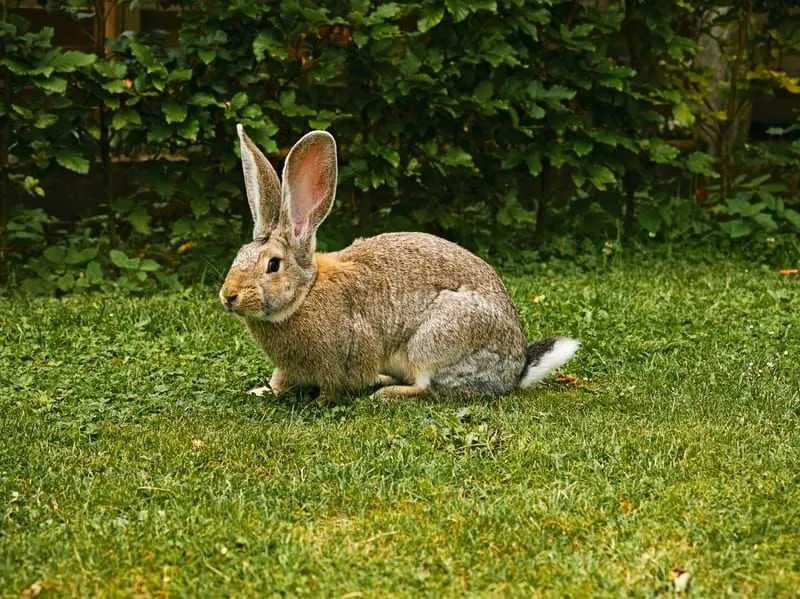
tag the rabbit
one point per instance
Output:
(410, 314)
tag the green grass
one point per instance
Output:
(132, 462)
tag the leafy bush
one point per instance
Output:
(500, 124)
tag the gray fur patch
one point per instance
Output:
(483, 371)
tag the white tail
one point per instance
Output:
(545, 356)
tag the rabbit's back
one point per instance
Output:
(417, 261)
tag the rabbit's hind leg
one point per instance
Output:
(469, 345)
(399, 392)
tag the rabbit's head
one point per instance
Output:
(271, 275)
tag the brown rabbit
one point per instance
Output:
(408, 312)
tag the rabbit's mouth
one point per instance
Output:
(241, 303)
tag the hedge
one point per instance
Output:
(499, 124)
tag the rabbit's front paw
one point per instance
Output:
(261, 391)
(279, 382)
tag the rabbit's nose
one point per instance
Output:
(230, 299)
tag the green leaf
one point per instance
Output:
(512, 213)
(203, 99)
(67, 62)
(287, 100)
(125, 117)
(239, 101)
(143, 54)
(111, 69)
(189, 129)
(457, 8)
(391, 156)
(319, 123)
(612, 82)
(121, 260)
(66, 282)
(149, 265)
(756, 181)
(661, 152)
(556, 93)
(384, 12)
(174, 111)
(742, 206)
(430, 18)
(157, 133)
(737, 228)
(45, 120)
(534, 162)
(792, 216)
(73, 161)
(207, 55)
(683, 115)
(15, 67)
(139, 220)
(766, 221)
(265, 43)
(116, 86)
(53, 85)
(582, 147)
(649, 219)
(22, 111)
(200, 206)
(55, 254)
(456, 157)
(701, 163)
(177, 75)
(76, 256)
(601, 176)
(606, 137)
(94, 272)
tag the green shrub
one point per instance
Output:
(499, 124)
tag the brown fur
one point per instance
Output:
(410, 311)
(330, 267)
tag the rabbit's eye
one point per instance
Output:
(273, 265)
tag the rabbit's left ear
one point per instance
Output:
(262, 186)
(309, 184)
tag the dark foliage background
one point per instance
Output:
(516, 128)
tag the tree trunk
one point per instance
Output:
(102, 12)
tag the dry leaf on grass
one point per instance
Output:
(33, 590)
(567, 379)
(788, 272)
(625, 505)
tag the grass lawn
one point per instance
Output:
(132, 461)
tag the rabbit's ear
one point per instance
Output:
(262, 185)
(309, 184)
